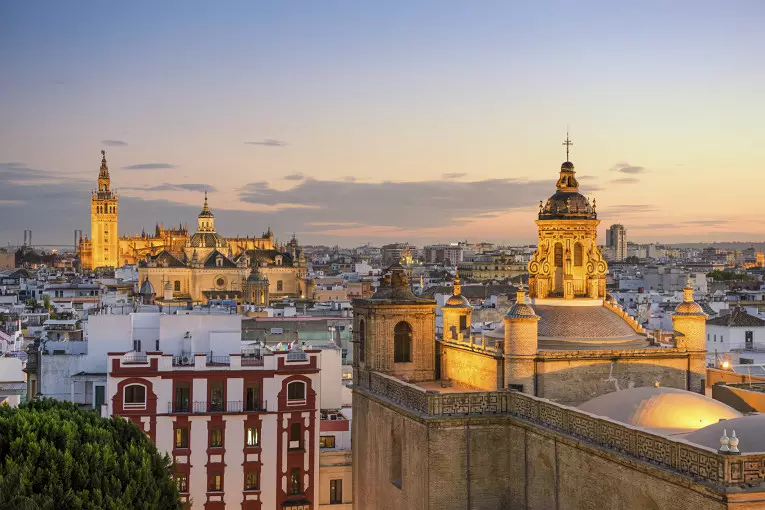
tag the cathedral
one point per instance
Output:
(173, 265)
(463, 421)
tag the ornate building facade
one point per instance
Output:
(193, 268)
(487, 422)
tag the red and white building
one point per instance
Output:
(243, 428)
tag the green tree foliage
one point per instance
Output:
(727, 276)
(54, 456)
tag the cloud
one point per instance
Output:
(586, 177)
(349, 178)
(626, 168)
(455, 175)
(707, 223)
(625, 180)
(149, 166)
(626, 209)
(411, 205)
(174, 187)
(114, 143)
(268, 142)
(294, 177)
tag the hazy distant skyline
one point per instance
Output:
(353, 122)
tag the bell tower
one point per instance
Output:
(567, 263)
(103, 221)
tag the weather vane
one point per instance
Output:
(568, 143)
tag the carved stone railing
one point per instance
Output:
(671, 453)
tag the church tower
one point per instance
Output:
(567, 263)
(457, 314)
(103, 221)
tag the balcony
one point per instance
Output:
(204, 407)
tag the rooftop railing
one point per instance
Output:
(210, 407)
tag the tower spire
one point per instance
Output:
(457, 284)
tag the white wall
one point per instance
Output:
(331, 374)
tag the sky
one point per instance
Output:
(353, 122)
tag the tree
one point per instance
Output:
(46, 302)
(54, 456)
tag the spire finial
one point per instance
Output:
(567, 143)
(457, 284)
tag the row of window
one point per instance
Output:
(402, 342)
(134, 395)
(251, 437)
(109, 209)
(215, 482)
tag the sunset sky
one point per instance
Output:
(351, 122)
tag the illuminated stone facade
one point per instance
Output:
(102, 249)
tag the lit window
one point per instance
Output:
(216, 437)
(296, 391)
(295, 485)
(578, 255)
(135, 396)
(182, 482)
(215, 483)
(251, 481)
(327, 442)
(181, 437)
(252, 437)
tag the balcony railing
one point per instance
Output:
(134, 358)
(204, 407)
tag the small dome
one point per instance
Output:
(666, 410)
(147, 289)
(567, 165)
(567, 204)
(521, 309)
(692, 308)
(207, 240)
(748, 430)
(256, 277)
(457, 301)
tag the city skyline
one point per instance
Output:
(438, 122)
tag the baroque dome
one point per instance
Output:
(665, 410)
(567, 202)
(689, 307)
(457, 301)
(207, 240)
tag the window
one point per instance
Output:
(135, 396)
(182, 482)
(251, 482)
(181, 437)
(216, 437)
(578, 254)
(137, 345)
(296, 391)
(463, 322)
(295, 432)
(279, 285)
(219, 262)
(215, 482)
(402, 343)
(220, 282)
(295, 485)
(327, 442)
(156, 345)
(252, 438)
(252, 397)
(216, 396)
(182, 397)
(335, 492)
(362, 339)
(558, 255)
(177, 287)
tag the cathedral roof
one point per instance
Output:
(167, 259)
(211, 260)
(583, 324)
(207, 240)
(667, 410)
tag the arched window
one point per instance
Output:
(578, 254)
(402, 343)
(296, 391)
(134, 396)
(362, 339)
(279, 285)
(295, 485)
(558, 255)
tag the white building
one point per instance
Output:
(737, 332)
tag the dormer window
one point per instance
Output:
(219, 261)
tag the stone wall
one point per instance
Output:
(470, 368)
(574, 377)
(746, 398)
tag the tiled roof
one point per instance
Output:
(166, 257)
(588, 323)
(737, 318)
(207, 240)
(211, 260)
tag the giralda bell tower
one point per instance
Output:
(103, 220)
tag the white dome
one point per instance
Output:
(748, 430)
(665, 410)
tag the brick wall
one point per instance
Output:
(470, 369)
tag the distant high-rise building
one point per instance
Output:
(616, 239)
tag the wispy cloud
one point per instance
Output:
(294, 177)
(174, 187)
(625, 180)
(626, 168)
(627, 209)
(149, 166)
(455, 175)
(268, 142)
(114, 143)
